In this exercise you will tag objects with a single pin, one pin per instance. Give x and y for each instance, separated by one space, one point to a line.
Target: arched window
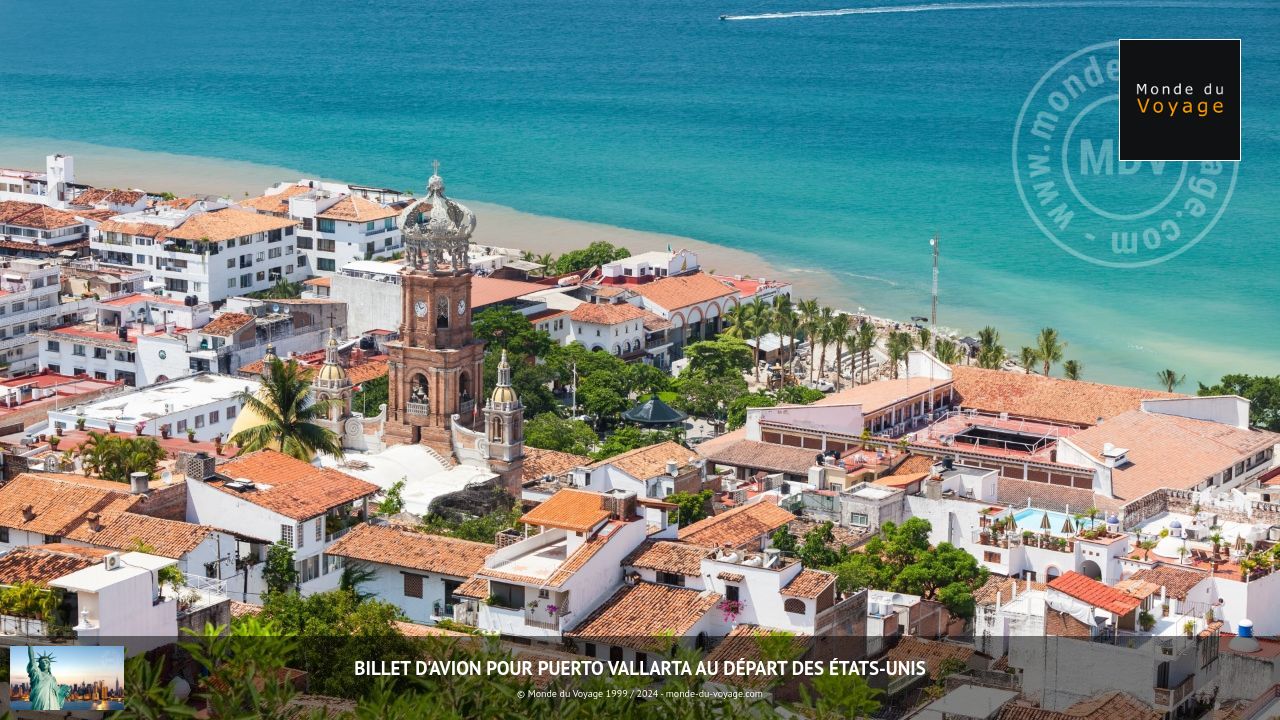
442 312
419 390
794 605
495 429
464 387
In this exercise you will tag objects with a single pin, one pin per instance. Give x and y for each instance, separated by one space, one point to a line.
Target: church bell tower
504 430
436 368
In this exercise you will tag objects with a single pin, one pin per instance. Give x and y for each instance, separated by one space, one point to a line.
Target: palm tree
947 352
809 311
925 335
900 343
838 333
1050 347
289 421
990 351
751 321
787 323
823 331
1028 358
865 342
1071 369
1170 379
546 260
1146 546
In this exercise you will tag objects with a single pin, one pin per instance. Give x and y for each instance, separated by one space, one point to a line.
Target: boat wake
932 7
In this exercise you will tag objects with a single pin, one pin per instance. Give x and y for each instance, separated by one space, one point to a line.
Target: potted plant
532 605
138 428
1189 627
58 429
1208 616
80 423
191 435
217 443
1164 610
1028 536
731 609
111 426
1146 621
491 600
165 430
553 610
53 442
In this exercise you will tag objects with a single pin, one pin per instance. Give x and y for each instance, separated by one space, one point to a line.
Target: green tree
692 507
1049 347
786 322
1071 369
393 501
530 379
1262 391
627 437
724 357
783 541
817 550
900 344
705 395
947 351
596 254
354 575
116 457
990 352
864 343
371 396
549 431
282 290
503 328
751 321
835 696
798 395
736 414
290 419
279 572
479 529
644 379
1170 379
1028 358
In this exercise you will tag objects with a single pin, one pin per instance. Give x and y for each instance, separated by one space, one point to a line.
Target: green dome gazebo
654 412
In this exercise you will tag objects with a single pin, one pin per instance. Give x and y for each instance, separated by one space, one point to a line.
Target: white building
30 228
338 226
267 497
31 301
416 572
204 250
205 405
615 328
51 187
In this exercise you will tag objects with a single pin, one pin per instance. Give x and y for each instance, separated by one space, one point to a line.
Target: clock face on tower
420 308
462 307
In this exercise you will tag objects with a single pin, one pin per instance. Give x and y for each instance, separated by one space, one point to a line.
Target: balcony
1173 697
466 407
415 408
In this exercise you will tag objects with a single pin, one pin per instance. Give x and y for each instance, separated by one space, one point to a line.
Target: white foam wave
933 7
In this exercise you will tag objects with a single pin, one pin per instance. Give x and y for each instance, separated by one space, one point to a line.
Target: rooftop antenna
933 320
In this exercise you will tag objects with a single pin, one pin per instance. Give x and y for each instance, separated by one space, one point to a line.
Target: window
275 252
231 262
641 659
53 346
309 569
77 350
544 594
246 280
324 225
4 534
306 224
302 538
319 528
794 605
327 264
231 282
667 578
304 243
412 585
324 245
991 557
214 416
18 307
182 426
199 421
389 224
859 519
99 375
52 539
286 531
731 592
589 649
368 227
54 368
506 595
615 654
231 412
274 236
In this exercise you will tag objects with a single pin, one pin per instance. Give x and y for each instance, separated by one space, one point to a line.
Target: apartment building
31 301
338 225
205 251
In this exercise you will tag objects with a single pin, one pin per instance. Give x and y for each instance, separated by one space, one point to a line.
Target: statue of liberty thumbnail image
66 677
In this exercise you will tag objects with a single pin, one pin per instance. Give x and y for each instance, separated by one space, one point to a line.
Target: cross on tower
435 167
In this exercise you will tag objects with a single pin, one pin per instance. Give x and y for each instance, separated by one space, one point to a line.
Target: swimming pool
1033 519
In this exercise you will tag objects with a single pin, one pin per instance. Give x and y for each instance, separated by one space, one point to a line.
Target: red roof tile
291 487
1087 590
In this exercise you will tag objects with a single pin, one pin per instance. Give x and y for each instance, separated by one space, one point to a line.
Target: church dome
437 229
332 372
503 393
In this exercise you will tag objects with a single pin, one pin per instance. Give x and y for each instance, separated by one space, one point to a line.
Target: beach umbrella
1067 527
1044 522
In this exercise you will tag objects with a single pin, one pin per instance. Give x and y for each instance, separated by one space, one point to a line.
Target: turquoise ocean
833 145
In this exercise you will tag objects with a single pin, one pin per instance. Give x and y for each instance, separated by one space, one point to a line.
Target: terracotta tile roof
476 587
539 463
319 282
809 583
226 224
1177 581
915 464
38 565
142 229
290 487
239 609
1048 496
275 203
98 196
1087 590
757 455
998 584
742 644
602 314
882 394
569 509
731 577
637 615
39 504
673 293
180 203
650 460
490 290
123 531
226 324
933 652
668 556
1136 587
413 550
654 322
546 315
354 208
901 481
368 367
738 526
1046 398
1116 705
35 215
1167 451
